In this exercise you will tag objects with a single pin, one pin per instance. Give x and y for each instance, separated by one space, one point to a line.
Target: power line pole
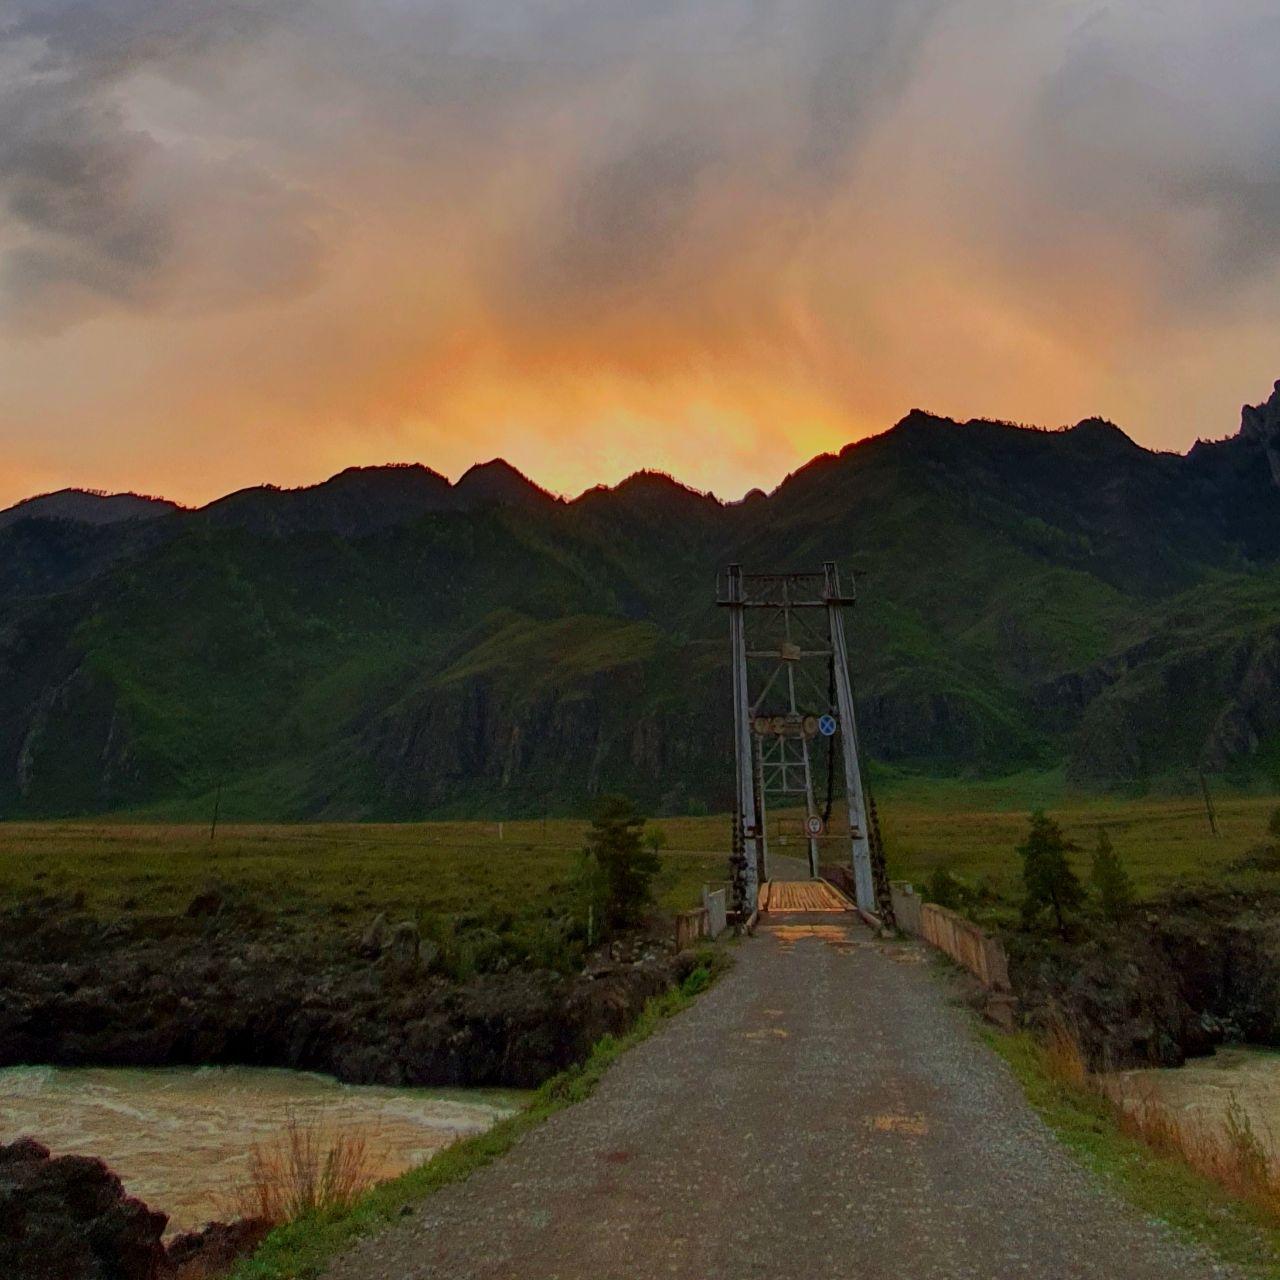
1210 811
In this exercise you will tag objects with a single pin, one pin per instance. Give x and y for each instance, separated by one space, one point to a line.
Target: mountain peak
1260 425
498 483
87 506
1261 422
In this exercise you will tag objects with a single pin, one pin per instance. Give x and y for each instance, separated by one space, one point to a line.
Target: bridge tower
791 688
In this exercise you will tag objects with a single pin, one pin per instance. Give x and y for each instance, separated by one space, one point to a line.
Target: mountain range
388 644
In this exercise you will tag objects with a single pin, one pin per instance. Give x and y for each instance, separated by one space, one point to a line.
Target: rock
401 949
1260 425
69 1219
374 937
216 1247
206 903
293 998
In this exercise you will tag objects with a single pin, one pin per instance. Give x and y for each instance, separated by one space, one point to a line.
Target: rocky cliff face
75 991
1260 427
1180 977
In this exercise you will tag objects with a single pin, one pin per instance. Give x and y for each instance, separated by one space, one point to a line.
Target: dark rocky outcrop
194 990
68 1218
215 1248
1185 974
1260 427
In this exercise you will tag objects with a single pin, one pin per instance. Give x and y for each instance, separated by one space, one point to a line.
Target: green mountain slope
388 644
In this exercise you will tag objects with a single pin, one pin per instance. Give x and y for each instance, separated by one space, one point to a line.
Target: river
182 1138
1201 1092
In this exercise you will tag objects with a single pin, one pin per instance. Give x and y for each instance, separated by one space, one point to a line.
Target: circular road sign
814 825
827 726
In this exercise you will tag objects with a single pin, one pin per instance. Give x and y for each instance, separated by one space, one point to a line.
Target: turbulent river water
182 1138
1203 1091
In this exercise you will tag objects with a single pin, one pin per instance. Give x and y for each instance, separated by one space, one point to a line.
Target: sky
249 241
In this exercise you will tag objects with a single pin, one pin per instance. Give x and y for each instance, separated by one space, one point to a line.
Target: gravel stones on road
824 1111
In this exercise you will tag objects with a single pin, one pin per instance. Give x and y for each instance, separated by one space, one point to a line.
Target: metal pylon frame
790 672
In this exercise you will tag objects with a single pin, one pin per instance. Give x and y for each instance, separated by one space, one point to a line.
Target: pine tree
626 868
1110 879
1050 883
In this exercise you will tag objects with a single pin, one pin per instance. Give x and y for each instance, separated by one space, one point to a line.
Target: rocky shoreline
217 987
70 1217
1178 977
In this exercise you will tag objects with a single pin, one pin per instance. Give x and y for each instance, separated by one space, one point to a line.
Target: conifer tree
625 867
1110 880
1049 882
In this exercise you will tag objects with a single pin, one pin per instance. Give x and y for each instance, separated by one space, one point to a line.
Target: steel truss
790 672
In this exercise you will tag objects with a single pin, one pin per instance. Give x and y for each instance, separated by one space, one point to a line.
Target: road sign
814 825
827 726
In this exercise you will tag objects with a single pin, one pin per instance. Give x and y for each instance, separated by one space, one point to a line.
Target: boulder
402 947
68 1218
374 937
216 1247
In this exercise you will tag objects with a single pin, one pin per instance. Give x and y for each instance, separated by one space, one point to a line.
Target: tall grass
305 1170
301 1249
1229 1152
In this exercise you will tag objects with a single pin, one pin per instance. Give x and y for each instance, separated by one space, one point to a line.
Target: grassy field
972 831
520 871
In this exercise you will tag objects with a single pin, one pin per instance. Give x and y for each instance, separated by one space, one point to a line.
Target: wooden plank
802 897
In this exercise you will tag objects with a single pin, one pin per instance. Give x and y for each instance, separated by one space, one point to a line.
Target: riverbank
185 1138
220 984
300 1250
1161 1184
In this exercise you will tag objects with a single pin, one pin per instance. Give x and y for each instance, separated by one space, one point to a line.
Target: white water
182 1138
1203 1091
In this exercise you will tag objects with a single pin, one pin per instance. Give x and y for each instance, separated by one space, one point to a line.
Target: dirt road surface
824 1111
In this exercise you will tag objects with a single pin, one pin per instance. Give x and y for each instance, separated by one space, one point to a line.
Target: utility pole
217 804
743 756
1209 810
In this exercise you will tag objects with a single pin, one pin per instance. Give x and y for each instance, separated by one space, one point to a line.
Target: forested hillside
388 644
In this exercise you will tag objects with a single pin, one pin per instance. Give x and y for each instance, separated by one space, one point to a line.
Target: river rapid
182 1139
1202 1092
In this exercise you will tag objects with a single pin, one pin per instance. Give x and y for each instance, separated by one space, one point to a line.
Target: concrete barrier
967 945
716 906
906 908
690 926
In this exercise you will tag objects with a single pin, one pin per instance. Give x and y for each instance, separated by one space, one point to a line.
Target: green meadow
512 875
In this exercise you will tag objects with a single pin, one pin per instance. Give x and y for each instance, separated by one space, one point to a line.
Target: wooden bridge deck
801 896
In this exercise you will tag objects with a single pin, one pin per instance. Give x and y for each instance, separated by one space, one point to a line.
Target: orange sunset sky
245 241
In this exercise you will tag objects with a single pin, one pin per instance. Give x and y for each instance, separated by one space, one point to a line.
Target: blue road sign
827 726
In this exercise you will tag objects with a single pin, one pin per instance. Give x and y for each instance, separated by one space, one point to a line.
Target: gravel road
824 1111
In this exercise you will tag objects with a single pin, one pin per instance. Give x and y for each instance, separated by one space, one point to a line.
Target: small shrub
697 981
944 890
304 1171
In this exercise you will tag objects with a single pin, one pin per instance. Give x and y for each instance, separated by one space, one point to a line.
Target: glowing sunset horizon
244 244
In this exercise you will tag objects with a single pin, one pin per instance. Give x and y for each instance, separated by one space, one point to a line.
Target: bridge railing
707 921
969 946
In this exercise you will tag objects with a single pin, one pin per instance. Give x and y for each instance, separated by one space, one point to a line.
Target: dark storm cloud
637 104
99 203
1163 122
